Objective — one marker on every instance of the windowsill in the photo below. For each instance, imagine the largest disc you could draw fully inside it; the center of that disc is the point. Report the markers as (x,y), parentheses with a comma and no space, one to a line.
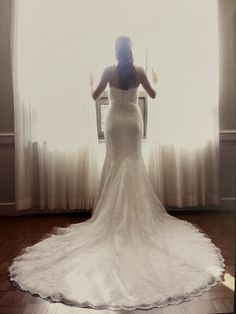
(103,140)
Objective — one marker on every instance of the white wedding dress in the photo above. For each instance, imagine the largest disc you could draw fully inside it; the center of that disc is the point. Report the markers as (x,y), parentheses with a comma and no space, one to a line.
(131,254)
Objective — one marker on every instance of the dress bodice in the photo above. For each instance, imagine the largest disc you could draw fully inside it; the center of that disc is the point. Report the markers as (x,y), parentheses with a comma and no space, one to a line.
(117,95)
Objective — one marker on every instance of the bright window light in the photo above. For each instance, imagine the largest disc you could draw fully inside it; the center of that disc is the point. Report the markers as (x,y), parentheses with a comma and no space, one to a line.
(59,43)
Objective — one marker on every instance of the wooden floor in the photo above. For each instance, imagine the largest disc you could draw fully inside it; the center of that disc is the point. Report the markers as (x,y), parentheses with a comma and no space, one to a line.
(19,232)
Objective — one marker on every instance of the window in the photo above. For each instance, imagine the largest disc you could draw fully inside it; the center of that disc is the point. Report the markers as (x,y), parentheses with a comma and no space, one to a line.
(102,105)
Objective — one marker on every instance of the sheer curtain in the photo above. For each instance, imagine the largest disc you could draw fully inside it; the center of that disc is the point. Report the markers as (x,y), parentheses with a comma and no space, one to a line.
(56,164)
(55,46)
(183,146)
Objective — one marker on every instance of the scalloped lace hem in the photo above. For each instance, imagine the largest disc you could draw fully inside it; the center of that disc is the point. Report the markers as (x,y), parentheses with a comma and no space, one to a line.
(143,306)
(168,301)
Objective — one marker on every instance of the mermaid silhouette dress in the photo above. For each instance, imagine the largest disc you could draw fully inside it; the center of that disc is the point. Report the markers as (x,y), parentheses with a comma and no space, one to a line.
(131,254)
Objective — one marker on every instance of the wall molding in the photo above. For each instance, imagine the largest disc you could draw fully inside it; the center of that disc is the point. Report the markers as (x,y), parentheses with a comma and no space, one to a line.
(224,135)
(227,135)
(7,138)
(7,203)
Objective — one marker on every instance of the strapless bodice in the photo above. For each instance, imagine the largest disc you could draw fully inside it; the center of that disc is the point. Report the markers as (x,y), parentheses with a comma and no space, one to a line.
(120,96)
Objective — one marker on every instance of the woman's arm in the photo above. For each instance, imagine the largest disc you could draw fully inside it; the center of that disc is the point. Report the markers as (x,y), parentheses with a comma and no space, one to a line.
(101,86)
(146,84)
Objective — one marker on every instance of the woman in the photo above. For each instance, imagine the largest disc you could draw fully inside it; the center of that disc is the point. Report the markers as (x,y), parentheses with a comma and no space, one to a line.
(125,75)
(131,254)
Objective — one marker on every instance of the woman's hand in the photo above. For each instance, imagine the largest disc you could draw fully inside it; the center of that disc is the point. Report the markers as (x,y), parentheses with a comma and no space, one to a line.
(154,77)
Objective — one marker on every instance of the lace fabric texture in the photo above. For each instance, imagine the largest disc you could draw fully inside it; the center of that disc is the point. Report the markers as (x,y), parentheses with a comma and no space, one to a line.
(131,254)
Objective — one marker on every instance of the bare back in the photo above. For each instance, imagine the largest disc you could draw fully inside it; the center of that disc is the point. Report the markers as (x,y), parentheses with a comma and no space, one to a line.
(110,76)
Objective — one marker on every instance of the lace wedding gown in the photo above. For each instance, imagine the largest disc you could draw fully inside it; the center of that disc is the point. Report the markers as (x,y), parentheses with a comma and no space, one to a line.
(131,254)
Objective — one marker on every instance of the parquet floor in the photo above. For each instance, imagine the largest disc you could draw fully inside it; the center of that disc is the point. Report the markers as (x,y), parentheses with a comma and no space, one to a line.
(19,232)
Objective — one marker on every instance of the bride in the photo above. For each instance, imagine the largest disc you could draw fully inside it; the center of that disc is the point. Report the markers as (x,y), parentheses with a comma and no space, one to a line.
(131,254)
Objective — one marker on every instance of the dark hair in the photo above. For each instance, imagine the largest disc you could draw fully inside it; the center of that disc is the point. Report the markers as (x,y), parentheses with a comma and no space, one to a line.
(127,75)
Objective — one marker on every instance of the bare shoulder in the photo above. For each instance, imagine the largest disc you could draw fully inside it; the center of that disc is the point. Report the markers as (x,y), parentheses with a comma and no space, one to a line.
(109,70)
(140,73)
(140,70)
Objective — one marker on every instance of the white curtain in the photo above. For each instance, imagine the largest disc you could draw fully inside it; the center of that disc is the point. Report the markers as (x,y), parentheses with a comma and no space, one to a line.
(55,46)
(183,146)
